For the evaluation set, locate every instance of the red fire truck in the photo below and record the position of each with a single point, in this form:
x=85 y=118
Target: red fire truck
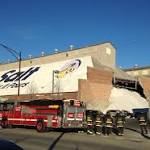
x=43 y=114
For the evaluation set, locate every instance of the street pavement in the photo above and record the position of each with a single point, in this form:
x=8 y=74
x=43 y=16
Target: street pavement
x=30 y=139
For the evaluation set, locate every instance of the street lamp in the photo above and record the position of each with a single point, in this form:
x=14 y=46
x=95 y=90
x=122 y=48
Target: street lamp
x=17 y=55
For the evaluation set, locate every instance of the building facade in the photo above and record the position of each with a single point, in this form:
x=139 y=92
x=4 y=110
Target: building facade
x=57 y=73
x=139 y=71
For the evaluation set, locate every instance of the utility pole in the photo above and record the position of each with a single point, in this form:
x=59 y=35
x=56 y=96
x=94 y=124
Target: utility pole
x=17 y=55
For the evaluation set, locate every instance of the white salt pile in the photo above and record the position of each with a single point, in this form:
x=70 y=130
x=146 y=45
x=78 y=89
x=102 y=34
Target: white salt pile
x=123 y=99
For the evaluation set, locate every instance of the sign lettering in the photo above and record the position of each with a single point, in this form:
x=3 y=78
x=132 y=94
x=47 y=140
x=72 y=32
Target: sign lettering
x=13 y=76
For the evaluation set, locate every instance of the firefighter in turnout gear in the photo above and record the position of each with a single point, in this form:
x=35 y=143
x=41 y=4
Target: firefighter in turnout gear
x=142 y=119
x=108 y=121
x=99 y=120
x=120 y=122
x=90 y=125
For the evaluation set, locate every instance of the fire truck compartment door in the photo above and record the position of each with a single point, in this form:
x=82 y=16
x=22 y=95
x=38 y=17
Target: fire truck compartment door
x=16 y=117
x=49 y=118
x=70 y=113
x=74 y=113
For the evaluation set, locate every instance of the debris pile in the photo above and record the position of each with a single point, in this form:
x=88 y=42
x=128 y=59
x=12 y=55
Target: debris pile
x=123 y=99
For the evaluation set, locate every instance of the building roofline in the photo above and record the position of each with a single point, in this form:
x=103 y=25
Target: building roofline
x=137 y=68
x=68 y=50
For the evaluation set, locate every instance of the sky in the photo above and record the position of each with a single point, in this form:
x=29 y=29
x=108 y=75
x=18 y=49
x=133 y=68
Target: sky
x=33 y=26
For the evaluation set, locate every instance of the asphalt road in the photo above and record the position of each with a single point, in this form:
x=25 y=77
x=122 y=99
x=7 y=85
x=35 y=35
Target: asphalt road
x=29 y=139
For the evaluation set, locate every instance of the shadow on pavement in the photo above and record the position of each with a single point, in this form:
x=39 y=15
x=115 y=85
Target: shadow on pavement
x=56 y=141
x=132 y=125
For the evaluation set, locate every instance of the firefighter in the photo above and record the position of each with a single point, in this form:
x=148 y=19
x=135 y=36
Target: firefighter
x=99 y=120
x=108 y=120
x=142 y=120
x=90 y=125
x=120 y=122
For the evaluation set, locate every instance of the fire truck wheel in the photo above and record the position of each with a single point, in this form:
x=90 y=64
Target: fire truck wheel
x=40 y=126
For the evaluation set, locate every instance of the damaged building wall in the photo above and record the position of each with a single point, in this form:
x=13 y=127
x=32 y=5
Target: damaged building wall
x=95 y=91
x=38 y=74
x=145 y=83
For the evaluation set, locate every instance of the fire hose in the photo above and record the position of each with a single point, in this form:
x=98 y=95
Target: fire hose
x=144 y=135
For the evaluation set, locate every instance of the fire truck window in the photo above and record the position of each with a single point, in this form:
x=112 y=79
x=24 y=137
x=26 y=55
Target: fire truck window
x=82 y=104
x=1 y=106
x=9 y=106
x=71 y=109
x=71 y=102
x=26 y=110
x=5 y=107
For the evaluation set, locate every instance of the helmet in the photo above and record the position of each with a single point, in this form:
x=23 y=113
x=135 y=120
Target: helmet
x=108 y=113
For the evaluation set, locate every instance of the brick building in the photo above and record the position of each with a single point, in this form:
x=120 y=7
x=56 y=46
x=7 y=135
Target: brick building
x=86 y=73
x=143 y=76
x=138 y=71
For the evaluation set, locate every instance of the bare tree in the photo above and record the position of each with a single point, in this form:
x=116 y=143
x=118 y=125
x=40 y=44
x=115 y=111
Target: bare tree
x=32 y=89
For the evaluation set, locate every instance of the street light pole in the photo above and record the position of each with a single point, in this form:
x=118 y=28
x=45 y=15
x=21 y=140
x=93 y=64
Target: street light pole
x=18 y=57
x=19 y=73
x=53 y=74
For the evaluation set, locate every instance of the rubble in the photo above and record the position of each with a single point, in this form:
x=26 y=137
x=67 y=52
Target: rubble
x=123 y=99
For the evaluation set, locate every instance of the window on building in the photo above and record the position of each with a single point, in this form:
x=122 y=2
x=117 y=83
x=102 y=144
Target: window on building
x=108 y=51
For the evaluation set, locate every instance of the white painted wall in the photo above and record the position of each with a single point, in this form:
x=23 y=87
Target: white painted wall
x=40 y=81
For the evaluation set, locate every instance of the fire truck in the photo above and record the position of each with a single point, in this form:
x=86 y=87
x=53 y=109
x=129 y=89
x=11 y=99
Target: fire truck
x=43 y=114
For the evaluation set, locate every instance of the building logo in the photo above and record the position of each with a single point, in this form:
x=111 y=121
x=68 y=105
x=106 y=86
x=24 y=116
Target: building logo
x=68 y=68
x=10 y=78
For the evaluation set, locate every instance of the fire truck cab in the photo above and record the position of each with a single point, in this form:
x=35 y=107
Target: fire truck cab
x=43 y=114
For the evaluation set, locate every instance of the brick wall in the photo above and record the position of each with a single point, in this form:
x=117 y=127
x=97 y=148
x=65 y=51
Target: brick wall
x=95 y=91
x=145 y=83
x=99 y=75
